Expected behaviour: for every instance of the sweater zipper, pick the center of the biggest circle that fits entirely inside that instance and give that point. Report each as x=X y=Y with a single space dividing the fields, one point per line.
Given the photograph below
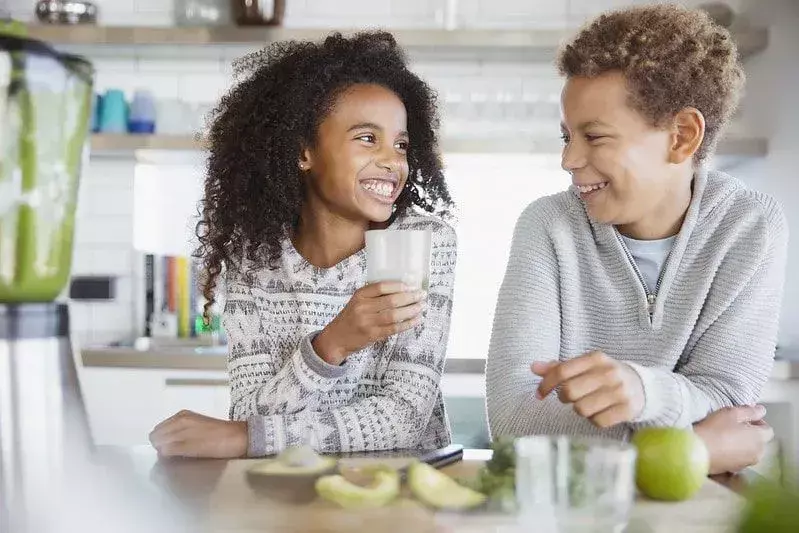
x=651 y=297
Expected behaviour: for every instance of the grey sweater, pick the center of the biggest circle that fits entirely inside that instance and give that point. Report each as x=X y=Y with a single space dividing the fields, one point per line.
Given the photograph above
x=385 y=396
x=706 y=339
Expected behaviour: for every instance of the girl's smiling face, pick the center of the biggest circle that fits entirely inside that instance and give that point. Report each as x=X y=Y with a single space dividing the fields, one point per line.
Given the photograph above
x=358 y=165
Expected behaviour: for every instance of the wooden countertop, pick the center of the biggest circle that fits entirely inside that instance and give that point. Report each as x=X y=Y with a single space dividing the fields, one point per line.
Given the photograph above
x=215 y=495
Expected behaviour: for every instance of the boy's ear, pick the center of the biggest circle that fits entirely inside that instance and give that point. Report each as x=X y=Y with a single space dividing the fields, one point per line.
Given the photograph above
x=688 y=132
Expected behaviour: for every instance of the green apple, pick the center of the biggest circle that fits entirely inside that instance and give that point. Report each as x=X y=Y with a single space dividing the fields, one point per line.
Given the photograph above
x=672 y=463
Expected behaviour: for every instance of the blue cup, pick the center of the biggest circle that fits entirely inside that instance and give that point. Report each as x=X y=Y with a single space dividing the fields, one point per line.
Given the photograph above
x=113 y=112
x=142 y=113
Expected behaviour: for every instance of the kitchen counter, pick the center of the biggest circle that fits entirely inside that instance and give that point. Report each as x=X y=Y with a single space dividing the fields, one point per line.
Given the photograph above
x=214 y=494
x=175 y=357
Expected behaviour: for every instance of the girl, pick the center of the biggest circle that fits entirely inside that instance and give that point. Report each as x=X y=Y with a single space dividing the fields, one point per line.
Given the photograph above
x=318 y=143
x=649 y=293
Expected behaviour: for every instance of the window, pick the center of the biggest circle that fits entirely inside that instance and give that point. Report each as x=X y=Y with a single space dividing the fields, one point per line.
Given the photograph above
x=490 y=191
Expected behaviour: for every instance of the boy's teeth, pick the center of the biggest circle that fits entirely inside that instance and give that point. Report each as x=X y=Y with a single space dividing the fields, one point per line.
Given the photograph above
x=589 y=188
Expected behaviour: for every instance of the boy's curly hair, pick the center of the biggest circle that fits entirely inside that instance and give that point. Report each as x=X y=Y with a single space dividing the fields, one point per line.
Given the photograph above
x=253 y=187
x=672 y=58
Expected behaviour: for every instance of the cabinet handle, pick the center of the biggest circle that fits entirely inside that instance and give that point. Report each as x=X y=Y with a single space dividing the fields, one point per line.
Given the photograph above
x=196 y=382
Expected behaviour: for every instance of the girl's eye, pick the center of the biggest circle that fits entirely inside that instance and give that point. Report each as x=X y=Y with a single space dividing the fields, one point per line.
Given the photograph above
x=565 y=138
x=367 y=137
x=402 y=145
x=590 y=138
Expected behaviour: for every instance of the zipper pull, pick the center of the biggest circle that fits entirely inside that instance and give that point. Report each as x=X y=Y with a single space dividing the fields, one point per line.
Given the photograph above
x=650 y=301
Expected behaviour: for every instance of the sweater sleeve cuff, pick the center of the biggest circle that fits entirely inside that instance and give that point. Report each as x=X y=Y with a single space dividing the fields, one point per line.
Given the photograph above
x=662 y=396
x=315 y=363
x=256 y=433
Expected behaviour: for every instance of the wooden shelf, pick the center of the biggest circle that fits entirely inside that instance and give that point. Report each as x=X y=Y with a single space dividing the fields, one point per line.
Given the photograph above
x=128 y=145
x=110 y=143
x=750 y=40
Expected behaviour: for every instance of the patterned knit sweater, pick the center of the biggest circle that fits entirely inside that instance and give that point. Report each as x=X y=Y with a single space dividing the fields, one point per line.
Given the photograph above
x=383 y=397
x=706 y=339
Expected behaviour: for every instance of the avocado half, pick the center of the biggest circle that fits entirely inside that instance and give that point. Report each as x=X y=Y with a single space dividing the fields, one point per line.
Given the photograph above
x=383 y=488
x=438 y=490
x=291 y=476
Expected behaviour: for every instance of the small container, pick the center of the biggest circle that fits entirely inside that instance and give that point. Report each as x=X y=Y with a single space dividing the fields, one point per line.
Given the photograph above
x=258 y=12
x=142 y=113
x=113 y=112
x=202 y=12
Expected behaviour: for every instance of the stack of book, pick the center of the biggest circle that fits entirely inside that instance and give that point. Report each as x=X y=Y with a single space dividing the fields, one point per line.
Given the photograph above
x=173 y=305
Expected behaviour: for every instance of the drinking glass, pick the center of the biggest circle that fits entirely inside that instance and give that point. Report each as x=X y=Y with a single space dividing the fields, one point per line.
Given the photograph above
x=571 y=484
x=399 y=255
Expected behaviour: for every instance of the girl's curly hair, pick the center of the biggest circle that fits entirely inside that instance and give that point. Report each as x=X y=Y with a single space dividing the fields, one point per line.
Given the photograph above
x=253 y=187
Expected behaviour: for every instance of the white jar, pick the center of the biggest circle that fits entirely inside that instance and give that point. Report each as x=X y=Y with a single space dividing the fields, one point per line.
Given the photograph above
x=202 y=12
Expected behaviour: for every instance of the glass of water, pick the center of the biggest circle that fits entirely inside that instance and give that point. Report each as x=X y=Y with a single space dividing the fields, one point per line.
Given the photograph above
x=575 y=484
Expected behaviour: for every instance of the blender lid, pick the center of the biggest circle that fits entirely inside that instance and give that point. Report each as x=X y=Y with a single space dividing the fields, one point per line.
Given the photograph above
x=77 y=64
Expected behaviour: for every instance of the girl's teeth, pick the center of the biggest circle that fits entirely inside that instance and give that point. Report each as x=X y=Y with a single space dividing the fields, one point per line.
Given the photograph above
x=381 y=188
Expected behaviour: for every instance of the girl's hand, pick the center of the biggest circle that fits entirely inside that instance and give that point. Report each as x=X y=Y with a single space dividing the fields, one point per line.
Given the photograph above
x=374 y=313
x=188 y=434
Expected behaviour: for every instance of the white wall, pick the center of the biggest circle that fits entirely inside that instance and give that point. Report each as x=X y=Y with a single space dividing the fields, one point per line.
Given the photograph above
x=770 y=108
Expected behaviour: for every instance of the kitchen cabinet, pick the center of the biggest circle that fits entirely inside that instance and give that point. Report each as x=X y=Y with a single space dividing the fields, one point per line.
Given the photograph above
x=124 y=404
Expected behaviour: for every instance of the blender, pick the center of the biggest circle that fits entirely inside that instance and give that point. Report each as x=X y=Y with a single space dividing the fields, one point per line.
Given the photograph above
x=45 y=105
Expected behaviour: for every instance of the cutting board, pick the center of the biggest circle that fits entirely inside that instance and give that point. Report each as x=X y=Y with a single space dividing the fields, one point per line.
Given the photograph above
x=235 y=507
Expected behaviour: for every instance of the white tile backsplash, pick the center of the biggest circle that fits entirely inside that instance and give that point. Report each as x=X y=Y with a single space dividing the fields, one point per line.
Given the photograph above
x=116 y=6
x=125 y=285
x=115 y=262
x=83 y=262
x=155 y=19
x=202 y=87
x=114 y=65
x=105 y=230
x=116 y=173
x=20 y=9
x=99 y=261
x=179 y=66
x=127 y=82
x=344 y=10
x=108 y=201
x=155 y=6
